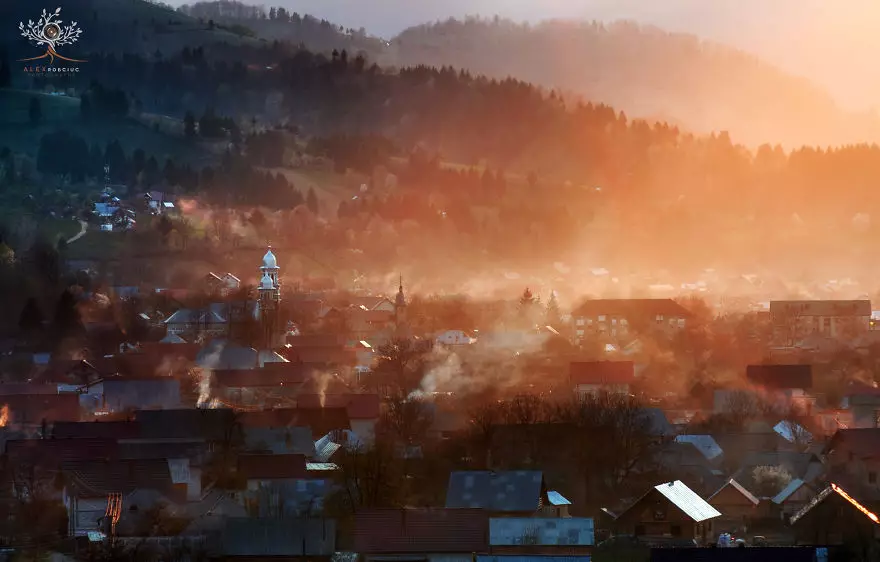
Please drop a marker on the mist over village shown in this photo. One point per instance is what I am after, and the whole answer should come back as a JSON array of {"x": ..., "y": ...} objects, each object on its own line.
[{"x": 486, "y": 290}]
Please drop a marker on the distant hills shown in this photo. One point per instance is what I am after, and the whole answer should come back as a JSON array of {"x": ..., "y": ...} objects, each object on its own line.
[{"x": 646, "y": 72}]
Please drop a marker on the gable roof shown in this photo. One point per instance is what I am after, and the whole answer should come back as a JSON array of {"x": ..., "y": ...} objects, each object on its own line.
[
  {"x": 781, "y": 376},
  {"x": 507, "y": 491},
  {"x": 687, "y": 501},
  {"x": 862, "y": 442},
  {"x": 739, "y": 488},
  {"x": 98, "y": 478},
  {"x": 602, "y": 372},
  {"x": 825, "y": 494},
  {"x": 16, "y": 388},
  {"x": 402, "y": 531},
  {"x": 631, "y": 307}
]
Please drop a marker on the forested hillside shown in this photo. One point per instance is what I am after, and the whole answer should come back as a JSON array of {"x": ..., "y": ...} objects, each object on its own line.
[{"x": 646, "y": 72}]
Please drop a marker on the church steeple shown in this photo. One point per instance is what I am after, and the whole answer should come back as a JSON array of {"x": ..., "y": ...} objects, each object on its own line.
[
  {"x": 270, "y": 299},
  {"x": 400, "y": 301}
]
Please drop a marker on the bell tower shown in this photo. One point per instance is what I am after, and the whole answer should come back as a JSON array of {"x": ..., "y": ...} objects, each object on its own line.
[
  {"x": 270, "y": 301},
  {"x": 400, "y": 310}
]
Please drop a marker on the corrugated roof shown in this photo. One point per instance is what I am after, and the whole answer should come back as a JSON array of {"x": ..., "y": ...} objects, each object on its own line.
[
  {"x": 688, "y": 501},
  {"x": 780, "y": 311},
  {"x": 358, "y": 406},
  {"x": 516, "y": 531},
  {"x": 280, "y": 440},
  {"x": 817, "y": 499},
  {"x": 511, "y": 491},
  {"x": 705, "y": 444},
  {"x": 420, "y": 531},
  {"x": 96, "y": 430},
  {"x": 49, "y": 452},
  {"x": 786, "y": 492}
]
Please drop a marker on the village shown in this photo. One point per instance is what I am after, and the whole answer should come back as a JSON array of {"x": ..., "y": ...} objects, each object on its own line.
[{"x": 260, "y": 422}]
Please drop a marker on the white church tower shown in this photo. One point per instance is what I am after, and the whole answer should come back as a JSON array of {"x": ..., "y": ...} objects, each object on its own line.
[{"x": 270, "y": 301}]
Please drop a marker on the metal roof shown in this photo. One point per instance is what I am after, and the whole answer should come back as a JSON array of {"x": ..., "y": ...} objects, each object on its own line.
[
  {"x": 688, "y": 501},
  {"x": 792, "y": 487},
  {"x": 496, "y": 491},
  {"x": 555, "y": 498},
  {"x": 518, "y": 531},
  {"x": 706, "y": 444},
  {"x": 791, "y": 432}
]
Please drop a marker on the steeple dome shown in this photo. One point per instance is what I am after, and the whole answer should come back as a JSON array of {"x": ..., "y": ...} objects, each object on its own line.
[{"x": 269, "y": 259}]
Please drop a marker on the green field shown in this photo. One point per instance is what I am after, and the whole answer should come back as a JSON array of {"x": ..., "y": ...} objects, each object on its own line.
[{"x": 62, "y": 113}]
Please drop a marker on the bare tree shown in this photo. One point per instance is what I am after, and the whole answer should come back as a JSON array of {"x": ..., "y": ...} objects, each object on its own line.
[{"x": 407, "y": 420}]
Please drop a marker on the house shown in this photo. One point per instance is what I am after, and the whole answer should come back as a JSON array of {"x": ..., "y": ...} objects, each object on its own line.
[
  {"x": 691, "y": 465},
  {"x": 834, "y": 517},
  {"x": 621, "y": 317},
  {"x": 737, "y": 505},
  {"x": 454, "y": 337},
  {"x": 783, "y": 385},
  {"x": 794, "y": 321},
  {"x": 281, "y": 486},
  {"x": 509, "y": 492},
  {"x": 221, "y": 285},
  {"x": 855, "y": 455},
  {"x": 33, "y": 464},
  {"x": 669, "y": 510},
  {"x": 766, "y": 474},
  {"x": 248, "y": 538},
  {"x": 213, "y": 426},
  {"x": 525, "y": 536},
  {"x": 249, "y": 387},
  {"x": 453, "y": 535},
  {"x": 705, "y": 444},
  {"x": 863, "y": 405},
  {"x": 793, "y": 497},
  {"x": 593, "y": 377},
  {"x": 362, "y": 409},
  {"x": 280, "y": 440},
  {"x": 194, "y": 323},
  {"x": 220, "y": 354},
  {"x": 320, "y": 421},
  {"x": 141, "y": 484},
  {"x": 123, "y": 394}
]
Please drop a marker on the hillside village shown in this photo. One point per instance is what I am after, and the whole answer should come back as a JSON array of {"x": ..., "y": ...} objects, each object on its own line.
[
  {"x": 291, "y": 416},
  {"x": 268, "y": 300}
]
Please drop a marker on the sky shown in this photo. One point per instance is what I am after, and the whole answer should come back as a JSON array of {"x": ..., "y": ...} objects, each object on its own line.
[{"x": 835, "y": 44}]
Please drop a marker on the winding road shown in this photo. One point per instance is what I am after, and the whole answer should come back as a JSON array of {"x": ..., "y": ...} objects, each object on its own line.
[{"x": 83, "y": 226}]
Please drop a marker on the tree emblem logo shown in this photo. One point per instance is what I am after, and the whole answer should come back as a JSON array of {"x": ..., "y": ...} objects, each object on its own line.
[{"x": 50, "y": 32}]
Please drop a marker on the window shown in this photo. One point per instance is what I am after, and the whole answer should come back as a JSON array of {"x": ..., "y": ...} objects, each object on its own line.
[
  {"x": 614, "y": 321},
  {"x": 659, "y": 318},
  {"x": 601, "y": 318},
  {"x": 675, "y": 530},
  {"x": 579, "y": 322},
  {"x": 872, "y": 477}
]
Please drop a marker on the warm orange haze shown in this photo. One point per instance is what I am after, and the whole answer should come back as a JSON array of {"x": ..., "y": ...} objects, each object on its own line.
[{"x": 588, "y": 281}]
